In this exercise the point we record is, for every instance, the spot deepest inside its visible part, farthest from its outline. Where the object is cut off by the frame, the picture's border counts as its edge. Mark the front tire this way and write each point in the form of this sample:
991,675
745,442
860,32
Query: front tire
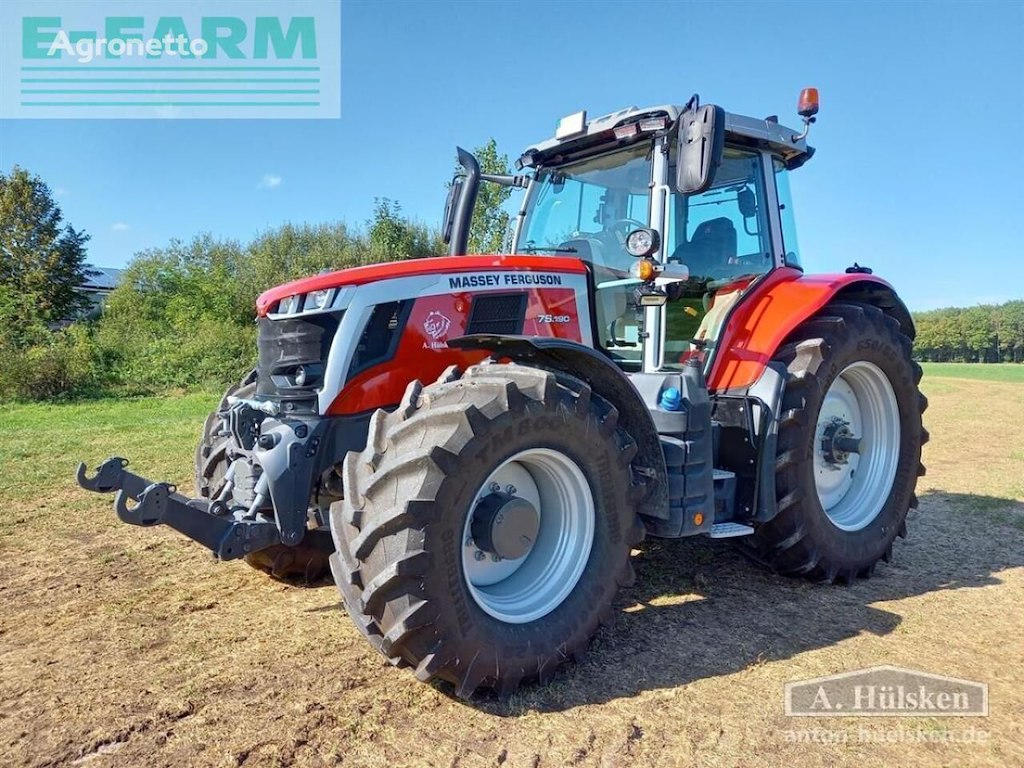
408,568
849,446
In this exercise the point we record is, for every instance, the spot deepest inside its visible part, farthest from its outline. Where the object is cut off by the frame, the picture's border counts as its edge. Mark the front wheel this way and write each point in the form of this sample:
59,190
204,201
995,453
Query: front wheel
487,526
849,445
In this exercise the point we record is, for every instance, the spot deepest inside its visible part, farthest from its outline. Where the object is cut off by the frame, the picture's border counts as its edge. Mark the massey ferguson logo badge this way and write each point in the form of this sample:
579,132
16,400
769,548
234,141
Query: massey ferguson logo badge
436,325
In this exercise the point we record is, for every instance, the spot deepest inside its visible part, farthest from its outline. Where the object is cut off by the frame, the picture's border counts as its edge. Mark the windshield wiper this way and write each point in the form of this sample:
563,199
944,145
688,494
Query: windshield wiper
549,249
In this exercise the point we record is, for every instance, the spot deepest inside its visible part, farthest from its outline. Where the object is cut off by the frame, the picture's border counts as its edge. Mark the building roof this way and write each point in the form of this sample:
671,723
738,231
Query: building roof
102,278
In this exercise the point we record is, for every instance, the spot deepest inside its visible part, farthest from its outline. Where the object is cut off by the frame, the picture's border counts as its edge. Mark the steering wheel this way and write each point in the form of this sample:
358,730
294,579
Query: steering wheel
633,224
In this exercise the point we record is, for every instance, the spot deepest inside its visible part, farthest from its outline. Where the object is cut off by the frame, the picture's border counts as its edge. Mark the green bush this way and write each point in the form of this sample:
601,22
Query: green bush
206,354
65,362
183,316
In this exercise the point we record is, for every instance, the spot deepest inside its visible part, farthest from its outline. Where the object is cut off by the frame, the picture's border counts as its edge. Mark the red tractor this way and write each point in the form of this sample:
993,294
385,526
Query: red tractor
476,444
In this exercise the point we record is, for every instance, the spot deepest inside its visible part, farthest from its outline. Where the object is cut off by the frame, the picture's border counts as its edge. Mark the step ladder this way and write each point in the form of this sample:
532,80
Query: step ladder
730,530
725,502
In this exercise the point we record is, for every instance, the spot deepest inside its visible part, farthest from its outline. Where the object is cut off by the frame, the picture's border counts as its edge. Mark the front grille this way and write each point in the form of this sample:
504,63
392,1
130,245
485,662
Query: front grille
286,344
499,315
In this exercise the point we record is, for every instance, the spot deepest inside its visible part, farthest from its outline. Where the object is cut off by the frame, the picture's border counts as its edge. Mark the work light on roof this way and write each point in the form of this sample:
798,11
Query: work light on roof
653,123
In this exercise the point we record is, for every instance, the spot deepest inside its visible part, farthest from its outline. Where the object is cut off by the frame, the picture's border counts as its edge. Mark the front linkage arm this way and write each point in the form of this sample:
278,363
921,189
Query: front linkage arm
226,533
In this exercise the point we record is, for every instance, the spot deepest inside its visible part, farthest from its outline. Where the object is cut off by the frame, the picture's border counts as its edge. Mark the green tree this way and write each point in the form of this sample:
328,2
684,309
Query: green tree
394,237
183,314
1012,330
40,257
491,225
985,334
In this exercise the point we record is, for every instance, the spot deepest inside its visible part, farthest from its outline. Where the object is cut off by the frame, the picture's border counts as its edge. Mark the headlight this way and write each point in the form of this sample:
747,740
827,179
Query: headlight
290,305
317,300
642,242
314,301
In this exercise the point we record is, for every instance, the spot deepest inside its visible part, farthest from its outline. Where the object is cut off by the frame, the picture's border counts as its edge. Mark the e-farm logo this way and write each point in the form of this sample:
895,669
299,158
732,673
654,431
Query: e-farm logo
44,38
170,58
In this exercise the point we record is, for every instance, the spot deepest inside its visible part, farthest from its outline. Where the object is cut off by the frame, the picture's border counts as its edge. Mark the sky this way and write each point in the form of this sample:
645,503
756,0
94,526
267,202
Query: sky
918,174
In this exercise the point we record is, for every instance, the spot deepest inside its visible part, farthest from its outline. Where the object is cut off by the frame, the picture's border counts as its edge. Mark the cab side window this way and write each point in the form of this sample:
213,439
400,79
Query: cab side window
724,230
789,243
722,236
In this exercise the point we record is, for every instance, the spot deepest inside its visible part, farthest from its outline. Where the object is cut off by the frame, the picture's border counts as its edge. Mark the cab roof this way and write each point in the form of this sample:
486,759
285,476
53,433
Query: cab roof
764,133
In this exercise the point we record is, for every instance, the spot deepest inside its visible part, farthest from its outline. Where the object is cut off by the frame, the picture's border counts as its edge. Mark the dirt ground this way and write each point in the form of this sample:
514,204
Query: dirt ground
122,646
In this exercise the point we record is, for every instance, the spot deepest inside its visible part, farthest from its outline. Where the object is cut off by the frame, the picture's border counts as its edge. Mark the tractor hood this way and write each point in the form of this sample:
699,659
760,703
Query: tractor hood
373,273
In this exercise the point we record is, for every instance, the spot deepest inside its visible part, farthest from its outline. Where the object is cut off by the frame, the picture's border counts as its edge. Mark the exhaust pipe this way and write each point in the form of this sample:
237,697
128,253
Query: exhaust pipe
465,202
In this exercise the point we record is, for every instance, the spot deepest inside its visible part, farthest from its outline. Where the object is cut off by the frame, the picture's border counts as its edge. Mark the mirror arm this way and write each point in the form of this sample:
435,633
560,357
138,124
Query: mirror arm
504,180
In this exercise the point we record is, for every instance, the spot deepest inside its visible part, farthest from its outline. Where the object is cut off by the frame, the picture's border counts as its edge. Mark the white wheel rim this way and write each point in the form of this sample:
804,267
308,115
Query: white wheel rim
853,491
532,586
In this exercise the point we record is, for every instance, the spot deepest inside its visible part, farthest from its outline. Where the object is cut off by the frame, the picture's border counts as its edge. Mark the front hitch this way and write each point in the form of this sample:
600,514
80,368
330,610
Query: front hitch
229,534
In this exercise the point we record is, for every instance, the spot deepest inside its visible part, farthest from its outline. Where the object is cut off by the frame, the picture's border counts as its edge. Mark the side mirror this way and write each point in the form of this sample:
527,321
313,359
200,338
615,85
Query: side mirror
701,140
454,190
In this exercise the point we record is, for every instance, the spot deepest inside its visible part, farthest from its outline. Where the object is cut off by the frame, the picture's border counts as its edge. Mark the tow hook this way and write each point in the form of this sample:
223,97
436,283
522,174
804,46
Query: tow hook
226,533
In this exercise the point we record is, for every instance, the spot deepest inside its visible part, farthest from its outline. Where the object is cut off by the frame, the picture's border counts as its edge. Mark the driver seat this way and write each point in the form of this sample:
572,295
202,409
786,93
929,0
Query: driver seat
712,246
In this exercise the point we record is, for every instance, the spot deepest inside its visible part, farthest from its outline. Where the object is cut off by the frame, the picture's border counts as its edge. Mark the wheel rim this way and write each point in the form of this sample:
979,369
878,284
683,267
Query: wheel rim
853,487
530,587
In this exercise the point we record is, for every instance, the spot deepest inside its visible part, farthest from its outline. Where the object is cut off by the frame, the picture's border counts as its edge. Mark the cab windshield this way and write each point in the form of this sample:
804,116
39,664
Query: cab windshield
586,209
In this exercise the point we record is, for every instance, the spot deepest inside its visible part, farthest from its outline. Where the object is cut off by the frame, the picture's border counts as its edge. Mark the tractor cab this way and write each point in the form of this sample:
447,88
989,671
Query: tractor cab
699,194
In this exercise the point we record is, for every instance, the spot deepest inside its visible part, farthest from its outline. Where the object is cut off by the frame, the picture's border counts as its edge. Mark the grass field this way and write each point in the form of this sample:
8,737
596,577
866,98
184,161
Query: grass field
123,646
1008,372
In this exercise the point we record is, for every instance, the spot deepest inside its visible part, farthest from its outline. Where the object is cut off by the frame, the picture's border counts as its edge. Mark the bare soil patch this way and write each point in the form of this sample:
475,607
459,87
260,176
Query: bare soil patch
123,646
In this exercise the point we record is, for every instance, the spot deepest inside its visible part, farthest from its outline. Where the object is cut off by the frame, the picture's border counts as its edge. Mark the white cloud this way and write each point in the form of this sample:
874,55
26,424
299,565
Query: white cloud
60,192
269,181
119,226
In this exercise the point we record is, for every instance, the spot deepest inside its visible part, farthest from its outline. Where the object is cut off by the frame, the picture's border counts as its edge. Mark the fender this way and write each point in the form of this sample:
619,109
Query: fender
608,380
774,308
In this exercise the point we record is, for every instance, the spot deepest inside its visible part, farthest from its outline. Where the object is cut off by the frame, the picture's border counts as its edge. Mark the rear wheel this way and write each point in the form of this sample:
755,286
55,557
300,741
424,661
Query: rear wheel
487,526
302,563
849,447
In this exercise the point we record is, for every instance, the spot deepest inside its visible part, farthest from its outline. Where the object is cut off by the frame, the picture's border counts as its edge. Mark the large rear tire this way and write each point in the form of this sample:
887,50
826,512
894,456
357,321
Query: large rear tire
302,564
418,534
849,446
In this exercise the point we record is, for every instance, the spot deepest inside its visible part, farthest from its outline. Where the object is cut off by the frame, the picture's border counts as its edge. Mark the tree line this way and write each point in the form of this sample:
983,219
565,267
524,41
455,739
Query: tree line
981,334
182,315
